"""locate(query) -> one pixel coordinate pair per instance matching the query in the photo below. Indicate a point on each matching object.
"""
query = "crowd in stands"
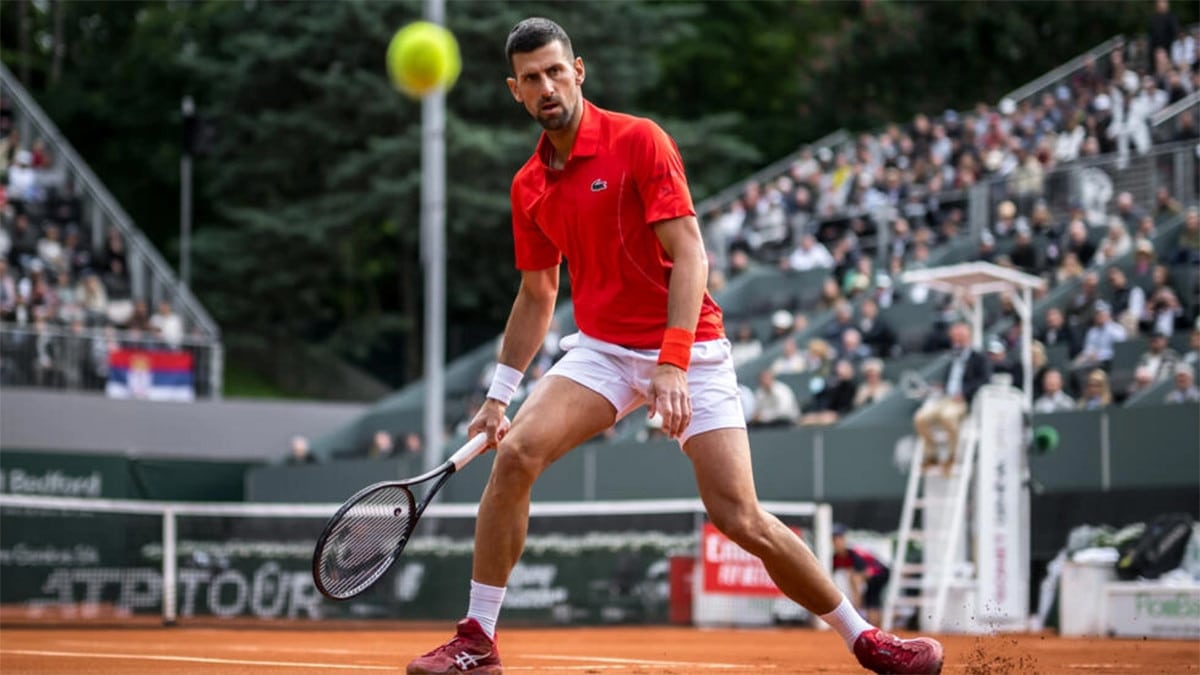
(858, 216)
(67, 301)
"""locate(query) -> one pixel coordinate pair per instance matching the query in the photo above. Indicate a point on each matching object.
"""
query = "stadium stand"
(86, 302)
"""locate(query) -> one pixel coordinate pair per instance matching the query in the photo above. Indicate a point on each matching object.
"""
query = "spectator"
(852, 348)
(93, 298)
(1024, 254)
(745, 346)
(23, 244)
(791, 361)
(998, 357)
(22, 178)
(1096, 393)
(835, 399)
(1162, 30)
(1162, 311)
(381, 445)
(876, 333)
(1185, 388)
(1081, 311)
(412, 444)
(1187, 250)
(842, 322)
(168, 325)
(1165, 205)
(1077, 242)
(1192, 357)
(1160, 360)
(1069, 269)
(1143, 379)
(782, 323)
(868, 576)
(831, 295)
(951, 399)
(1115, 244)
(810, 255)
(819, 357)
(1128, 303)
(873, 387)
(8, 293)
(1143, 260)
(1053, 398)
(1100, 339)
(300, 453)
(774, 402)
(1057, 332)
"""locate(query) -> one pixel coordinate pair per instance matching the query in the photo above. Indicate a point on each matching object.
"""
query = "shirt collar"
(587, 138)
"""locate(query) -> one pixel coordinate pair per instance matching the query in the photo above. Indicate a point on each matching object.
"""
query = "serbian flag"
(152, 376)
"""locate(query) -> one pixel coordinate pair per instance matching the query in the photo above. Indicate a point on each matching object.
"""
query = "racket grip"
(469, 451)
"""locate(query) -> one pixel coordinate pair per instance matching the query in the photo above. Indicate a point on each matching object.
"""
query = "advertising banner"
(56, 565)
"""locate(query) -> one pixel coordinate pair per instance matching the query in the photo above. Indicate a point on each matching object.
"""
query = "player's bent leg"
(559, 415)
(724, 477)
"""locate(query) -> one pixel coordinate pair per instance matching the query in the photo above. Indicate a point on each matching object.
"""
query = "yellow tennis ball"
(422, 57)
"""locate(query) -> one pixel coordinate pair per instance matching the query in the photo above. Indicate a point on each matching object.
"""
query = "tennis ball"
(422, 57)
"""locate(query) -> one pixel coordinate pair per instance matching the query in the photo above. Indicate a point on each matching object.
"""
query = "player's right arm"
(528, 323)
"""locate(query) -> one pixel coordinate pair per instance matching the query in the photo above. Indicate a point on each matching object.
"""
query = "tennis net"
(633, 561)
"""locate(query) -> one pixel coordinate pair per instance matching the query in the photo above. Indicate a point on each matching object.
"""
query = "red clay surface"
(250, 648)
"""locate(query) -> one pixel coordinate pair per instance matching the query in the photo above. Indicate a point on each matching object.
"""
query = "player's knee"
(516, 462)
(747, 527)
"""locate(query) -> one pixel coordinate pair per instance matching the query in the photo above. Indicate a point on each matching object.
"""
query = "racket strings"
(365, 540)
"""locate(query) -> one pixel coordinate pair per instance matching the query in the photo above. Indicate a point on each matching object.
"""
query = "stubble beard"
(560, 120)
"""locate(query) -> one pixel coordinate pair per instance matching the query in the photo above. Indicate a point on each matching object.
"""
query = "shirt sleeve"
(857, 561)
(534, 250)
(658, 172)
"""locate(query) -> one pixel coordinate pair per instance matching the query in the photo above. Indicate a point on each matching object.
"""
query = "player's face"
(547, 81)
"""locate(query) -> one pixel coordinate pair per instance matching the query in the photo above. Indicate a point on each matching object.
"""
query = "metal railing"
(1094, 183)
(77, 360)
(1062, 73)
(151, 276)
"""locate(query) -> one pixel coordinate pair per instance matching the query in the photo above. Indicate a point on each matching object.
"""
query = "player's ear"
(579, 70)
(512, 87)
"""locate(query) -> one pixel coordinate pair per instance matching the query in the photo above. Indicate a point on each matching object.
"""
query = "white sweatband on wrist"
(505, 381)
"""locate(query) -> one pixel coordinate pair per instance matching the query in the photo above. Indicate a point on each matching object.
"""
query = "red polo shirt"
(624, 175)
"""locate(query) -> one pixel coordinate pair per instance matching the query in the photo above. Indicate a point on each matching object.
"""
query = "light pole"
(433, 252)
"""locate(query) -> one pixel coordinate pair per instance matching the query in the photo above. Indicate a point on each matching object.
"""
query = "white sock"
(485, 606)
(847, 622)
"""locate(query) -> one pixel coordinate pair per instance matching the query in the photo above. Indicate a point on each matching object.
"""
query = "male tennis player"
(608, 191)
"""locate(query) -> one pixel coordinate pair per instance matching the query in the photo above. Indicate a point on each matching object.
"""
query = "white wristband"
(505, 381)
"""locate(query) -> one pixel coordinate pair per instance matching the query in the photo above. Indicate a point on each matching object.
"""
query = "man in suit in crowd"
(949, 403)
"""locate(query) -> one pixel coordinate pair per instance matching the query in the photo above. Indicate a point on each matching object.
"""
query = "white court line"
(645, 662)
(193, 659)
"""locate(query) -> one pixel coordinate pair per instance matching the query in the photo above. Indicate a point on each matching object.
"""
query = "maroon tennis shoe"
(882, 652)
(469, 651)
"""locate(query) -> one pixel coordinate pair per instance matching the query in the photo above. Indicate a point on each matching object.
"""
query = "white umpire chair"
(973, 531)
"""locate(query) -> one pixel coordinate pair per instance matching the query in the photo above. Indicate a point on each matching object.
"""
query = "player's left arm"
(683, 244)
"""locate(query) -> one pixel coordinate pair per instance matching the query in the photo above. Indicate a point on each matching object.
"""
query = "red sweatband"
(677, 347)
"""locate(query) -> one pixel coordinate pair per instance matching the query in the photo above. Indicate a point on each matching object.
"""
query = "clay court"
(649, 650)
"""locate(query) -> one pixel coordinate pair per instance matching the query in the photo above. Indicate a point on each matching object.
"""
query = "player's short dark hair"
(532, 34)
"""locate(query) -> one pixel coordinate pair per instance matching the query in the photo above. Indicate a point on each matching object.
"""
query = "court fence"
(67, 559)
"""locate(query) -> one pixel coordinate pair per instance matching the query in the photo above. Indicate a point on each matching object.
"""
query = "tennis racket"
(366, 535)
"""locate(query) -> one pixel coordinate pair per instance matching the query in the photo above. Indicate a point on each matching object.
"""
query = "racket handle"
(469, 451)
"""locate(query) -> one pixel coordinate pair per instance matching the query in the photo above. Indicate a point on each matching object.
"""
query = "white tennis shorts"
(622, 376)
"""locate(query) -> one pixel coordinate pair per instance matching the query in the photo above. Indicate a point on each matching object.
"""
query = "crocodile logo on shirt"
(599, 184)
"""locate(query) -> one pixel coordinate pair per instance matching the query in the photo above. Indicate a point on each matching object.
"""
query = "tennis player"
(608, 191)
